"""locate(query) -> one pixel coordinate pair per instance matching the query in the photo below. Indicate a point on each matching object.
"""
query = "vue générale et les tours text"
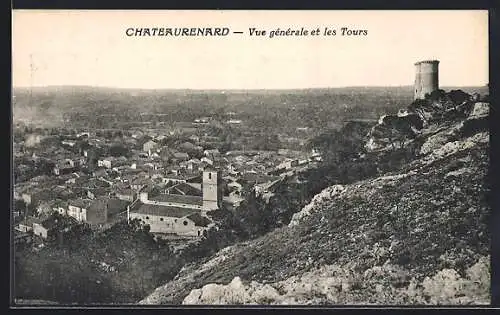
(251, 31)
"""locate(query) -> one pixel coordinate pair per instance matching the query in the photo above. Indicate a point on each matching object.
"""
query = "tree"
(458, 96)
(117, 150)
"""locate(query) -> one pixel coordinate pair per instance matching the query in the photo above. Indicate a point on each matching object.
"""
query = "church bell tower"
(211, 186)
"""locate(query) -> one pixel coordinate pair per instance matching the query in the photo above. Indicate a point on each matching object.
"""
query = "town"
(170, 181)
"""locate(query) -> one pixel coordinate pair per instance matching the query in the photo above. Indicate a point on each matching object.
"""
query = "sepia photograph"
(249, 158)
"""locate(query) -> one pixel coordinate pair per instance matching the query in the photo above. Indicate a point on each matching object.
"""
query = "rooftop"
(125, 191)
(81, 203)
(184, 176)
(187, 189)
(259, 178)
(192, 200)
(166, 211)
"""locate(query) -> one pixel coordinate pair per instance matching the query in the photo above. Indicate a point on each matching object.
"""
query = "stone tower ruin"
(426, 78)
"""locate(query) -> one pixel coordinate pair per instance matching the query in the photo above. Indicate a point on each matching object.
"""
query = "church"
(178, 214)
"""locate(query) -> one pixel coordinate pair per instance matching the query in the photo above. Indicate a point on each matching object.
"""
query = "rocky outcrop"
(394, 131)
(326, 195)
(334, 285)
(422, 117)
(480, 110)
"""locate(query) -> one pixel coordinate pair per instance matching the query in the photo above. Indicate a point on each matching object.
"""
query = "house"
(182, 215)
(211, 153)
(137, 134)
(149, 146)
(83, 135)
(68, 143)
(181, 201)
(106, 162)
(105, 211)
(38, 195)
(27, 198)
(60, 206)
(202, 120)
(154, 165)
(160, 138)
(25, 225)
(98, 212)
(52, 227)
(71, 178)
(303, 162)
(194, 138)
(170, 220)
(207, 160)
(267, 186)
(139, 183)
(288, 164)
(193, 164)
(44, 228)
(37, 226)
(78, 209)
(44, 207)
(234, 186)
(21, 237)
(180, 156)
(63, 192)
(65, 167)
(186, 147)
(95, 192)
(255, 179)
(126, 194)
(179, 177)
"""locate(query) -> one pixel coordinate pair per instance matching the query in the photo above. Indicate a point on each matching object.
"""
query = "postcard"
(250, 158)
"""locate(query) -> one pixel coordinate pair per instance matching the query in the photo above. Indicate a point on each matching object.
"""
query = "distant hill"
(51, 106)
(75, 106)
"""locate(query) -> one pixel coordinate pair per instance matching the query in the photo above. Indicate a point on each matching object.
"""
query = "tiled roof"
(81, 203)
(125, 191)
(193, 200)
(182, 176)
(166, 211)
(181, 155)
(258, 178)
(141, 181)
(191, 189)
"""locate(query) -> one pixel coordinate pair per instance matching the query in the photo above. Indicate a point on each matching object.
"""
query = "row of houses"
(180, 208)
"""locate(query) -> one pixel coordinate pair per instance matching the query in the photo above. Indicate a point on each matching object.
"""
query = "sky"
(91, 48)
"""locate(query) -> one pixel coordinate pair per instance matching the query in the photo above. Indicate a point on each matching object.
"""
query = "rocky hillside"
(415, 234)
